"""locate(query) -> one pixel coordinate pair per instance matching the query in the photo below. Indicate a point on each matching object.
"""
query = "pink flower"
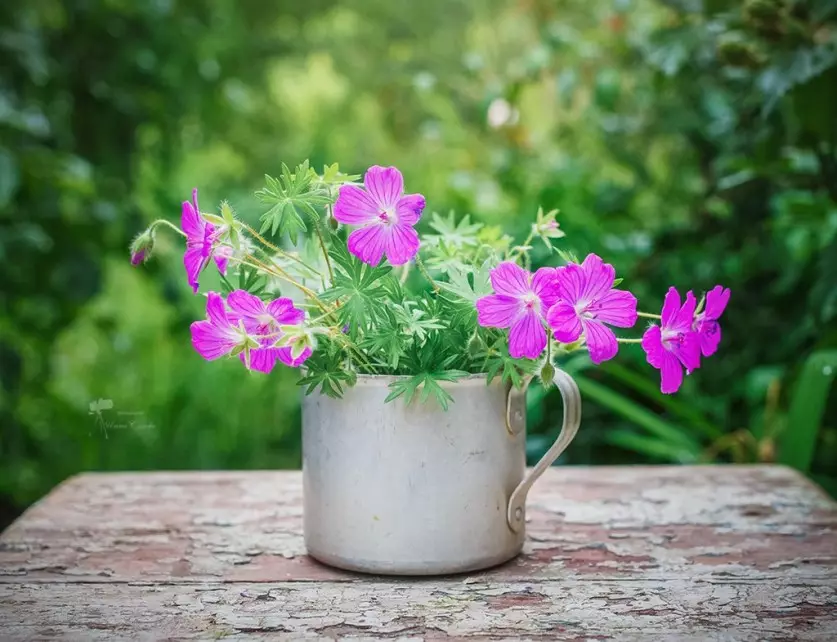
(673, 345)
(201, 243)
(221, 333)
(587, 301)
(520, 303)
(262, 320)
(384, 214)
(139, 256)
(706, 323)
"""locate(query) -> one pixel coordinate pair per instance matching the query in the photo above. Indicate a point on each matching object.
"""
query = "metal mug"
(411, 489)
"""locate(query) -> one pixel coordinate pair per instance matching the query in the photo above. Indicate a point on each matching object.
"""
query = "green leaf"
(798, 442)
(650, 446)
(452, 233)
(468, 283)
(665, 432)
(681, 409)
(290, 196)
(333, 176)
(429, 384)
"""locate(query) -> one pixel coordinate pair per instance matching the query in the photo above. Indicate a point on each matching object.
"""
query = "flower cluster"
(256, 331)
(483, 302)
(684, 334)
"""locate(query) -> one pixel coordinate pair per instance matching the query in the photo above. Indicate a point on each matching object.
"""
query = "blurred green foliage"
(690, 143)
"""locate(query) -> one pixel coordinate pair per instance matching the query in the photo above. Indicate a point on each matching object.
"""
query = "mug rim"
(382, 379)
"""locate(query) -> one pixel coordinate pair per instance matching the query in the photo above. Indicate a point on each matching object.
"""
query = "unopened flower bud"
(547, 375)
(142, 247)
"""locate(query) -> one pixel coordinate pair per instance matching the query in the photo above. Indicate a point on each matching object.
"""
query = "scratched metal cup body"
(411, 489)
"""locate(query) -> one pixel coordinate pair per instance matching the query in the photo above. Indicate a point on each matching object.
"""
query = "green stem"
(620, 340)
(278, 250)
(648, 315)
(325, 253)
(162, 221)
(426, 274)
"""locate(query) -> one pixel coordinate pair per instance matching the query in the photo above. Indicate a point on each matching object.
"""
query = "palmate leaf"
(291, 196)
(498, 362)
(429, 384)
(416, 322)
(333, 176)
(327, 370)
(454, 234)
(357, 287)
(385, 338)
(467, 283)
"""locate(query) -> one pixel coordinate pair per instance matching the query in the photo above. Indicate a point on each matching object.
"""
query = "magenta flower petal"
(285, 356)
(565, 322)
(571, 280)
(601, 342)
(355, 206)
(138, 257)
(716, 302)
(261, 359)
(222, 255)
(671, 374)
(689, 351)
(210, 341)
(510, 279)
(409, 208)
(710, 337)
(652, 344)
(527, 337)
(215, 310)
(385, 185)
(671, 307)
(616, 307)
(598, 277)
(190, 219)
(194, 261)
(498, 310)
(368, 243)
(706, 323)
(284, 311)
(545, 285)
(401, 244)
(246, 304)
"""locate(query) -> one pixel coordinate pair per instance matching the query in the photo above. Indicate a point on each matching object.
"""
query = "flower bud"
(142, 247)
(547, 375)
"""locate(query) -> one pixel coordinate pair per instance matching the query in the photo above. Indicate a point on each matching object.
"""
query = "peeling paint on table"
(712, 552)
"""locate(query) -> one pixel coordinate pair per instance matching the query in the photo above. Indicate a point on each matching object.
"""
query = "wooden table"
(715, 552)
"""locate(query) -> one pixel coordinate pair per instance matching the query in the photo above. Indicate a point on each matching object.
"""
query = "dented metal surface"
(703, 552)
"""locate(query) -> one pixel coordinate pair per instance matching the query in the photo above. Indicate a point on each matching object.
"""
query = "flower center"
(672, 338)
(585, 310)
(265, 319)
(532, 302)
(388, 216)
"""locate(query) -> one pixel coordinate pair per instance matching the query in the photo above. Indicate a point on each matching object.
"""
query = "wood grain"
(715, 552)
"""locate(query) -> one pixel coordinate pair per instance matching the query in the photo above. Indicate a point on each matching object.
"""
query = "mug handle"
(516, 513)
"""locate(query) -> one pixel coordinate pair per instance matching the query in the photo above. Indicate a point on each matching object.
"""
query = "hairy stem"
(620, 340)
(648, 315)
(162, 221)
(278, 250)
(325, 253)
(426, 274)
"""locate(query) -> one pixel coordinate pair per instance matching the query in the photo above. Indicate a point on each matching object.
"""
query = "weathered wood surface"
(733, 553)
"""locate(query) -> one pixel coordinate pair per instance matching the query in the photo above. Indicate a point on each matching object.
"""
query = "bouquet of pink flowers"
(338, 304)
